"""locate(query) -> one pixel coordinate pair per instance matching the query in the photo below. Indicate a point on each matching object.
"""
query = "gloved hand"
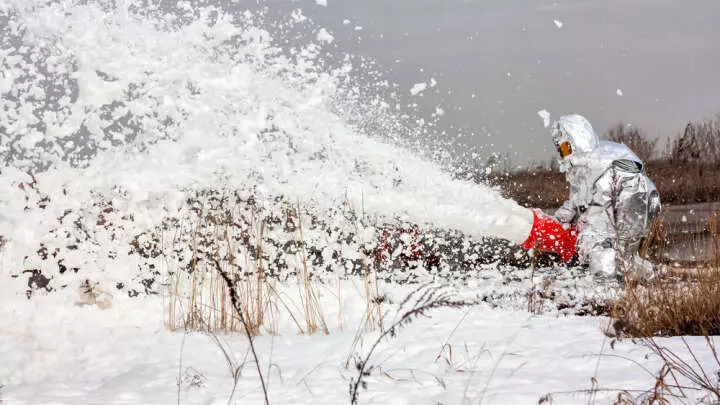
(549, 235)
(566, 214)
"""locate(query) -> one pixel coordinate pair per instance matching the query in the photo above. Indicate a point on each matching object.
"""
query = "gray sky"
(664, 55)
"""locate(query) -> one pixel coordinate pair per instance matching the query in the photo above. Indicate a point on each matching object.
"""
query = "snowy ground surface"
(56, 352)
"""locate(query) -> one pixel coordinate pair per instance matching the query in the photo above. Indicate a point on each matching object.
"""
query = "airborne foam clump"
(545, 116)
(324, 36)
(418, 88)
(142, 110)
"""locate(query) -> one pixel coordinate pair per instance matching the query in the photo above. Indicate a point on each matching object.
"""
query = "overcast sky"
(655, 63)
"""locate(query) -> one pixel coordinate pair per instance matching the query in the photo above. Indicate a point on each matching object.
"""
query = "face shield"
(563, 146)
(564, 149)
(573, 136)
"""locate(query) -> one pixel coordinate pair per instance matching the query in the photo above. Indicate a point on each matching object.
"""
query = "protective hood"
(576, 130)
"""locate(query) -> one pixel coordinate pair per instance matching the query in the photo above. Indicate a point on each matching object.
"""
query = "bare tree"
(634, 138)
(698, 143)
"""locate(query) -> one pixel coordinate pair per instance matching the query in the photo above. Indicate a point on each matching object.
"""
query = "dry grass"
(670, 307)
(373, 300)
(682, 378)
(314, 318)
(199, 297)
(225, 246)
(417, 304)
(686, 301)
(685, 182)
(684, 373)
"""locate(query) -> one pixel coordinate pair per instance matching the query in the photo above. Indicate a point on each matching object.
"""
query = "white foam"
(418, 88)
(211, 103)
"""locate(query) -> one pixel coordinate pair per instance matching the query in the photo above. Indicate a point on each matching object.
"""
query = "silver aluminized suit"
(612, 200)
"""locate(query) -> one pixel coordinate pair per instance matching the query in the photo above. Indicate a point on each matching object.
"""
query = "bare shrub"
(698, 143)
(634, 138)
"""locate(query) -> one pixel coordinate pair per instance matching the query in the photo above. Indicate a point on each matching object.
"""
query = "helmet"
(573, 135)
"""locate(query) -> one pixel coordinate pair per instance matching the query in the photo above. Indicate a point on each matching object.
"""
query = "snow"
(322, 3)
(619, 92)
(558, 23)
(123, 115)
(126, 354)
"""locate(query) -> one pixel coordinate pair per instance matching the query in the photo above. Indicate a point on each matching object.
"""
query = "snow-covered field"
(56, 352)
(115, 116)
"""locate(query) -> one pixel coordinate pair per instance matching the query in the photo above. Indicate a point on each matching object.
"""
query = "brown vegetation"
(670, 307)
(688, 170)
(634, 138)
(686, 301)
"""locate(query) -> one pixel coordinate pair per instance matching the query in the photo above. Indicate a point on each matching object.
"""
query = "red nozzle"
(549, 235)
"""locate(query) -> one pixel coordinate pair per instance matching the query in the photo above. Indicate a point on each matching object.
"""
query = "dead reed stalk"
(206, 306)
(415, 305)
(314, 318)
(238, 311)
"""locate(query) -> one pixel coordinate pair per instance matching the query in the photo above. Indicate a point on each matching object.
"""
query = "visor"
(565, 149)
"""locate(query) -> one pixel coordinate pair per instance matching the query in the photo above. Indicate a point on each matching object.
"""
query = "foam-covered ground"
(56, 352)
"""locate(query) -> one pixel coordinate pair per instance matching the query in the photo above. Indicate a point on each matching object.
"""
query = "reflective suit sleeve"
(606, 192)
(566, 213)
